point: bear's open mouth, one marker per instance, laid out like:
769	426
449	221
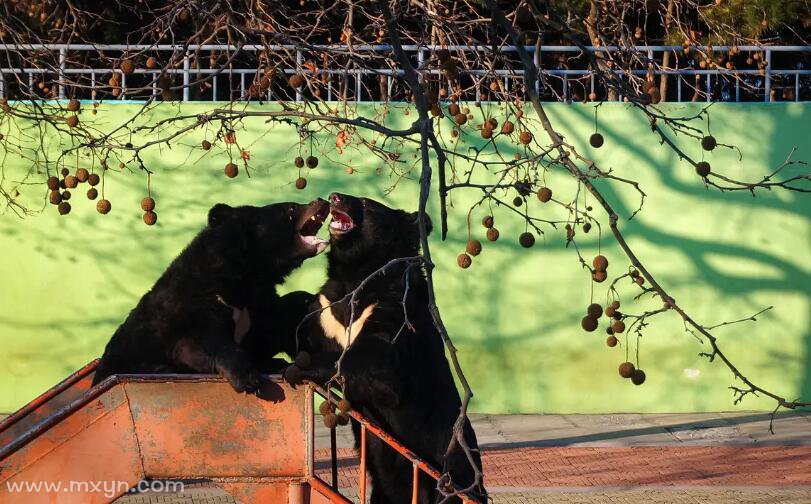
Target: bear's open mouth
314	217
341	222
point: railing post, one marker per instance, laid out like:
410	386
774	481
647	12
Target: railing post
362	475
415	486
709	86
768	84
298	66
333	448
796	87
62	59
186	65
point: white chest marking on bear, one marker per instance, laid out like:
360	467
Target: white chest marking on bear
242	320
335	330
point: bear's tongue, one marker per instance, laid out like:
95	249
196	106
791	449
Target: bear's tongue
341	222
314	243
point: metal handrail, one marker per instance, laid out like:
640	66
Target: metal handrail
186	71
418	464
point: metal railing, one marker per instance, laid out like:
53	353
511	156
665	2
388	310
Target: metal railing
418	465
719	84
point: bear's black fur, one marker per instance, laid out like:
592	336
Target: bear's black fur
194	319
395	372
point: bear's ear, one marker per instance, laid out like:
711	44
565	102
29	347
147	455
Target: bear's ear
429	226
219	213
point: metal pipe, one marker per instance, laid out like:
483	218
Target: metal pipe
415	485
362	476
333	448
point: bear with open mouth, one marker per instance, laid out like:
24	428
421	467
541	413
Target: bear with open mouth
394	366
215	309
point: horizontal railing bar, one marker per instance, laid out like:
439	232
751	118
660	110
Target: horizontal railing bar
388	47
386	71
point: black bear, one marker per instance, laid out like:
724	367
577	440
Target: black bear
215	309
394	370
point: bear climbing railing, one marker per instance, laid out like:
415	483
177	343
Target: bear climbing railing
366	427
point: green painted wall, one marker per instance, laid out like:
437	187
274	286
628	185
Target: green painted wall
66	283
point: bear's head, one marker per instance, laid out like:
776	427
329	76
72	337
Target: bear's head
366	234
275	238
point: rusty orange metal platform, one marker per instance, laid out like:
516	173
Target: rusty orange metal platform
131	428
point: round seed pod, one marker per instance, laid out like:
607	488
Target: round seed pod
507	128
453	109
492	234
150	218
205	144
147	204
299	162
326	407
349	170
589	323
486	133
231	170
639	280
343	419
595	310
151	63
708	143
487	221
611	341
615	304
436	111
618	326
92	193
544	194
295	81
331	420
63	208
82	174
617	315
599	276
492	123
66	195
464	261
301	183
596	140
312	161
72	121
93	179
127	66
587	227
460	119
103	206
592	96
609	311
65	172
344	406
703	168
626	369
518	201
55	197
634	273
303	360
526	239
53	183
600	263
474	247
74	105
525	137
638	377
71	182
